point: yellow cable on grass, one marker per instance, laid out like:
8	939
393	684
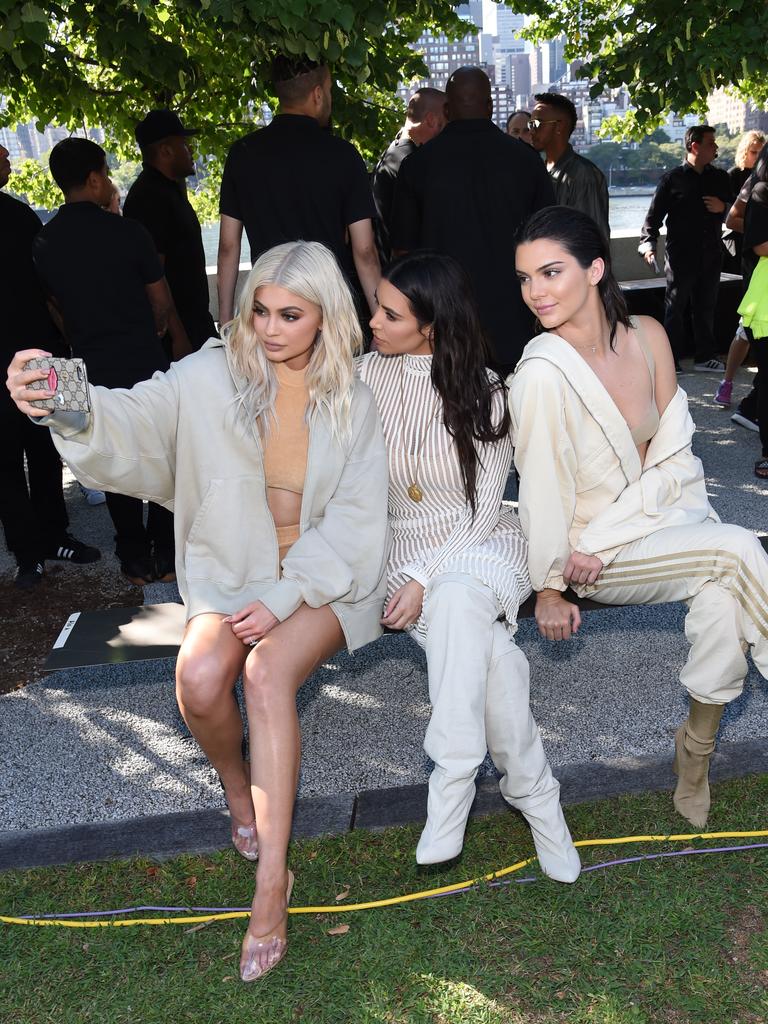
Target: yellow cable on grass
392	901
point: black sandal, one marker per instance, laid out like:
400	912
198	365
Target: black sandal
761	468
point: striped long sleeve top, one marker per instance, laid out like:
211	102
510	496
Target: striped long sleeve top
439	534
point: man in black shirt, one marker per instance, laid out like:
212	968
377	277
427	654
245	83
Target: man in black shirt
32	508
466	193
104	278
158	199
424	119
294	179
694	199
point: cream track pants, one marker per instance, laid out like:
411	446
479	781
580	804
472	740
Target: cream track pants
721	572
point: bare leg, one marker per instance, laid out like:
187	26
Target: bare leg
737	353
273	674
210	660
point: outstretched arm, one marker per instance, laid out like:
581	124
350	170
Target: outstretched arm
125	444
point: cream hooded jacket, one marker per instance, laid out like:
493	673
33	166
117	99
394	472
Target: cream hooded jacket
582	486
179	440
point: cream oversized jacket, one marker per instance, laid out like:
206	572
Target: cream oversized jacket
582	486
179	440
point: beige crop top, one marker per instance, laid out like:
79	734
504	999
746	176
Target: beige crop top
285	451
648	426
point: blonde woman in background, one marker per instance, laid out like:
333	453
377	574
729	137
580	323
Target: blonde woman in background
271	455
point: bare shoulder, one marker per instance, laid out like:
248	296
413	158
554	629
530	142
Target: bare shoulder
658	342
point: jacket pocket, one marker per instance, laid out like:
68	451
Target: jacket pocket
596	469
232	538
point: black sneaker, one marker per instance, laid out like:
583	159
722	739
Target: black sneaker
138	570
70	549
29	575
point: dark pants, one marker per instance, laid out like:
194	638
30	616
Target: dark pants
132	539
698	284
32	508
760	350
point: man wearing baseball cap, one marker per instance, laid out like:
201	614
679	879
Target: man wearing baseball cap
158	198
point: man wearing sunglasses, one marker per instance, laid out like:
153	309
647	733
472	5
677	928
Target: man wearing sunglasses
577	181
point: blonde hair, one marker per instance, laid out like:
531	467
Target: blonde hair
309	270
746	140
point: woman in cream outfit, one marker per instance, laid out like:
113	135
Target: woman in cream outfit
271	455
457	569
612	498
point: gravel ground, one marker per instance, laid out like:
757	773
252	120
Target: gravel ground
108	742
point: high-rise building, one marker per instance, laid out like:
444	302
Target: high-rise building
547	63
740	116
442	57
473	11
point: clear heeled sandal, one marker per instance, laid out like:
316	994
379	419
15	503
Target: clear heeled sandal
245	840
263	952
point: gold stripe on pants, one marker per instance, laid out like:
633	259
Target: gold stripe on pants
721	571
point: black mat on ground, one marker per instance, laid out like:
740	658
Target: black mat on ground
116	635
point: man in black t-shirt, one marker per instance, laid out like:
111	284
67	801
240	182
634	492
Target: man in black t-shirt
158	200
103	276
465	193
295	180
32	508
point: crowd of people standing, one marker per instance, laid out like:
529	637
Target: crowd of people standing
307	495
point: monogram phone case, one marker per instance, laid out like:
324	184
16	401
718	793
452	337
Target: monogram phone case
67	377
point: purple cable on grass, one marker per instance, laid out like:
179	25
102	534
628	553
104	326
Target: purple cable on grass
452	892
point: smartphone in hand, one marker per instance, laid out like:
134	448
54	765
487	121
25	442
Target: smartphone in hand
67	378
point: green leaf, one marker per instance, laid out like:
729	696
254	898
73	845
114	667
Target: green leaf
345	16
355	54
31	12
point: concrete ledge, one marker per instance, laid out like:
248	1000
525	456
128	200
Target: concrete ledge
200	832
159	837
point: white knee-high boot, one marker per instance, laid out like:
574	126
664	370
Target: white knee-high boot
459	613
515	745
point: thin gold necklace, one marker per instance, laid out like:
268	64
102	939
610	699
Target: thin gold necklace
415	493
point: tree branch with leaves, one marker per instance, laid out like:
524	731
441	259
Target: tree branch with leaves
87	62
670	56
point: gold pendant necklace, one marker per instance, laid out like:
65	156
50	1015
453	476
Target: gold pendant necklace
413	490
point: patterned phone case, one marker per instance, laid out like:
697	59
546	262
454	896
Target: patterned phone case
67	377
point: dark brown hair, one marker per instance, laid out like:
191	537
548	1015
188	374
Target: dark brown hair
440	294
580	236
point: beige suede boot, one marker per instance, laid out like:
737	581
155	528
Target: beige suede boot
694	743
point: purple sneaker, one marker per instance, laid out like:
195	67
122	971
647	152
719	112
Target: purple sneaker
723	393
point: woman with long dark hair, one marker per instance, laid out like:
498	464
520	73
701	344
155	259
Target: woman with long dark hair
612	499
457	568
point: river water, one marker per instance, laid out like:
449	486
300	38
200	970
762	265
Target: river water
627	213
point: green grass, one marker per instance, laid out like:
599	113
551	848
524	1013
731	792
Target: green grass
678	940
